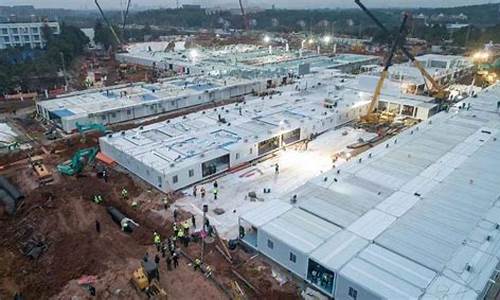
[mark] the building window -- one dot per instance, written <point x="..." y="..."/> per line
<point x="175" y="179"/>
<point x="113" y="115"/>
<point x="191" y="173"/>
<point x="251" y="151"/>
<point x="237" y="156"/>
<point x="270" y="244"/>
<point x="353" y="293"/>
<point x="34" y="30"/>
<point x="36" y="38"/>
<point x="6" y="39"/>
<point x="103" y="117"/>
<point x="5" y="31"/>
<point x="293" y="257"/>
<point x="129" y="112"/>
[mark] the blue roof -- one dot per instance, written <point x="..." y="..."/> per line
<point x="202" y="87"/>
<point x="61" y="113"/>
<point x="149" y="97"/>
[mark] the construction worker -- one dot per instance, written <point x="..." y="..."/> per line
<point x="157" y="260"/>
<point x="203" y="192"/>
<point x="124" y="193"/>
<point x="176" y="229"/>
<point x="197" y="264"/>
<point x="277" y="169"/>
<point x="165" y="202"/>
<point x="193" y="221"/>
<point x="208" y="271"/>
<point x="98" y="199"/>
<point x="186" y="226"/>
<point x="175" y="214"/>
<point x="175" y="259"/>
<point x="180" y="235"/>
<point x="194" y="191"/>
<point x="215" y="193"/>
<point x="157" y="240"/>
<point x="216" y="185"/>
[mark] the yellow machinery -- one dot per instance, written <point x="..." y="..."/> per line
<point x="145" y="279"/>
<point x="42" y="173"/>
<point x="435" y="89"/>
<point x="373" y="117"/>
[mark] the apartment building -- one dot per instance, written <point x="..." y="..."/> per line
<point x="16" y="34"/>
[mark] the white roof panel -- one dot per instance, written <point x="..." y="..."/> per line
<point x="266" y="212"/>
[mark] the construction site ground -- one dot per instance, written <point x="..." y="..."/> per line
<point x="62" y="216"/>
<point x="296" y="166"/>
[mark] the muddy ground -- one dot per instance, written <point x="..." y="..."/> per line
<point x="63" y="217"/>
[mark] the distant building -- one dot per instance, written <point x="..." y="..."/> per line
<point x="191" y="7"/>
<point x="25" y="34"/>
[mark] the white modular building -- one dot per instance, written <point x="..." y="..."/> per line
<point x="445" y="69"/>
<point x="242" y="61"/>
<point x="128" y="102"/>
<point x="176" y="153"/>
<point x="416" y="217"/>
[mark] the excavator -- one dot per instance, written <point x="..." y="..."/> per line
<point x="372" y="116"/>
<point x="145" y="279"/>
<point x="78" y="161"/>
<point x="434" y="88"/>
<point x="83" y="128"/>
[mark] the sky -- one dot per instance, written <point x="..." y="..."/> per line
<point x="89" y="4"/>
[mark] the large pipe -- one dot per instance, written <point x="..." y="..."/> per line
<point x="8" y="202"/>
<point x="10" y="189"/>
<point x="126" y="224"/>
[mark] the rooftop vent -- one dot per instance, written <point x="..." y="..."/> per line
<point x="468" y="267"/>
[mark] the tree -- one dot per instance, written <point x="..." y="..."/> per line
<point x="19" y="67"/>
<point x="104" y="36"/>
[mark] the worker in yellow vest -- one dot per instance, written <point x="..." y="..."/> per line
<point x="124" y="193"/>
<point x="186" y="226"/>
<point x="157" y="240"/>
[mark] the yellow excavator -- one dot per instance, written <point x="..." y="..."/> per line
<point x="146" y="279"/>
<point x="434" y="88"/>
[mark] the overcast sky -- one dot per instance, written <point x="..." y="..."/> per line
<point x="89" y="4"/>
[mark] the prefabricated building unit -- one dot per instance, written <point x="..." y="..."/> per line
<point x="176" y="153"/>
<point x="416" y="217"/>
<point x="128" y="102"/>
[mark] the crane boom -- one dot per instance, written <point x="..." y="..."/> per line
<point x="243" y="14"/>
<point x="374" y="103"/>
<point x="434" y="84"/>
<point x="108" y="23"/>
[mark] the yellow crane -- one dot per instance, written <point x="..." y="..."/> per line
<point x="385" y="117"/>
<point x="435" y="89"/>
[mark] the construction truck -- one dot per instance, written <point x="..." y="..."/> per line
<point x="43" y="174"/>
<point x="78" y="161"/>
<point x="146" y="279"/>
